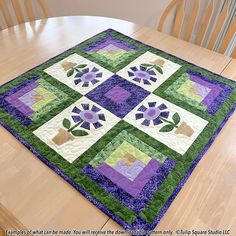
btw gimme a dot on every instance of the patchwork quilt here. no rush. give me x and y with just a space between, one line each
124 123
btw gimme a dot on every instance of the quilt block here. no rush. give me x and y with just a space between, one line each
124 123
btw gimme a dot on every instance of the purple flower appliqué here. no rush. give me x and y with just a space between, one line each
87 76
142 75
156 114
88 116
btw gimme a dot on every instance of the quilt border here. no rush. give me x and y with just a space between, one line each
80 189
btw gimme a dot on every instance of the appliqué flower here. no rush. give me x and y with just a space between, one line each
152 113
86 77
88 116
142 75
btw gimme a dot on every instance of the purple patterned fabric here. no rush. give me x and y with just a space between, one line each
129 171
131 187
137 95
138 223
220 92
110 40
135 204
27 99
215 90
202 91
20 105
12 110
118 94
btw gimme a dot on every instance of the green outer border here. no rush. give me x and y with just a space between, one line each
160 198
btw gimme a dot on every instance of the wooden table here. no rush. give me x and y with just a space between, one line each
32 196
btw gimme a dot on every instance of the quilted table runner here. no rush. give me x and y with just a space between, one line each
124 123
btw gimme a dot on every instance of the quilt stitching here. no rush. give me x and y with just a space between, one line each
129 140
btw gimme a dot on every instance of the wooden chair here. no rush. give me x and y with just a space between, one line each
16 7
180 16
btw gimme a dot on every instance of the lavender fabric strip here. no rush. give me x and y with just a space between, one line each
113 42
222 96
16 102
215 90
129 171
139 223
109 39
131 187
9 108
135 204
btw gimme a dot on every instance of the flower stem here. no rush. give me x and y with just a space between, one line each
150 68
77 70
73 127
167 121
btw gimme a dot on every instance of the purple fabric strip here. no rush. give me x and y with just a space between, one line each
12 110
139 223
215 90
14 99
131 187
18 87
113 42
109 39
129 171
202 91
28 99
20 106
18 115
226 90
135 204
22 91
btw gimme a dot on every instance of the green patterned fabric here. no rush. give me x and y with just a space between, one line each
122 122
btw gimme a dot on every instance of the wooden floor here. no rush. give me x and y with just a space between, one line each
37 198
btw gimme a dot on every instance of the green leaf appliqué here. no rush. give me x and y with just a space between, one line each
176 118
166 128
81 66
159 69
66 123
70 72
146 65
79 133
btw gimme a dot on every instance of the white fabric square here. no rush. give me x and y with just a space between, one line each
89 80
153 81
70 147
178 139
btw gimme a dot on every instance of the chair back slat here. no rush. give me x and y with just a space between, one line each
16 8
179 19
29 9
228 36
18 12
233 53
6 13
218 26
186 24
205 22
168 9
192 20
44 8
